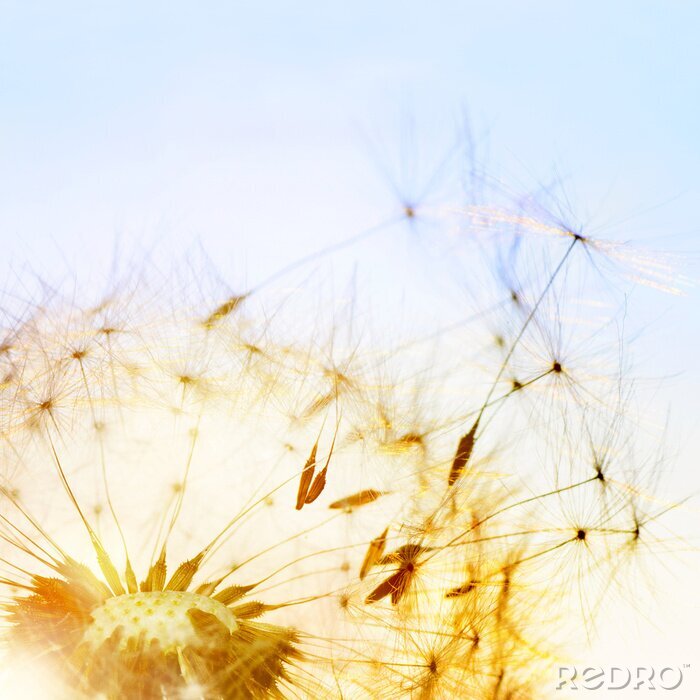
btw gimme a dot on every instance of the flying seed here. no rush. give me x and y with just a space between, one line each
461 590
406 554
464 451
396 586
307 474
318 486
374 553
313 492
360 498
228 307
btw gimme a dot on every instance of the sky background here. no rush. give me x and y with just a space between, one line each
242 127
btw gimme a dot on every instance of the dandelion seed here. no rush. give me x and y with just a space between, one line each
374 553
223 310
307 475
317 486
464 451
396 585
464 589
319 482
360 498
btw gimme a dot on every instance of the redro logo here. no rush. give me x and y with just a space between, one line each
619 678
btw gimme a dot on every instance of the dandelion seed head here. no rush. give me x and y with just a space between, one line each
206 493
159 616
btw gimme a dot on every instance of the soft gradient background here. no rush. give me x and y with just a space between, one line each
242 128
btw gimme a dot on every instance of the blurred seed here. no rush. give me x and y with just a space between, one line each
464 451
223 310
374 553
360 498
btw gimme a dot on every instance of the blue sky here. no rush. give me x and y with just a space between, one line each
120 118
243 126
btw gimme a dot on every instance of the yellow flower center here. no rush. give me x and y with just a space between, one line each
158 615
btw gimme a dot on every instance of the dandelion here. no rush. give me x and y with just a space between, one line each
199 500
